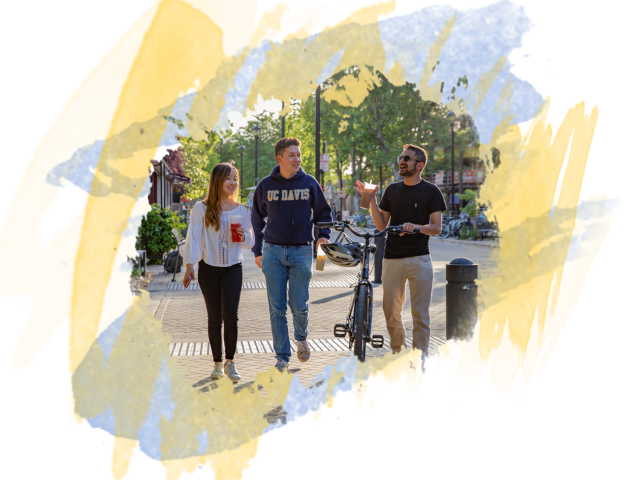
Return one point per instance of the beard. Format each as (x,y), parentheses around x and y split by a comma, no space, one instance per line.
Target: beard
(407,172)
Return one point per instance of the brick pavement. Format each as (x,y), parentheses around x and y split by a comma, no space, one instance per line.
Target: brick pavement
(183,317)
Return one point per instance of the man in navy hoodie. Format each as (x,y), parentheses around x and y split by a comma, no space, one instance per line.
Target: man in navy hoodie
(291,201)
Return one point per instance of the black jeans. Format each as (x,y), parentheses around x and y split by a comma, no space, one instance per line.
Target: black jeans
(221,287)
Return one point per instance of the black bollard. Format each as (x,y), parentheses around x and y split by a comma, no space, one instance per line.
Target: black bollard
(462,298)
(380,243)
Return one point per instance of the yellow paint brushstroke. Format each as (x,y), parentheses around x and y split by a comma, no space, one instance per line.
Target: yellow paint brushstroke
(485,82)
(182,48)
(368,15)
(309,18)
(229,465)
(122,453)
(427,92)
(132,167)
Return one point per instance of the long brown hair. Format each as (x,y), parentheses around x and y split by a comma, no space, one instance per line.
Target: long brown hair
(213,197)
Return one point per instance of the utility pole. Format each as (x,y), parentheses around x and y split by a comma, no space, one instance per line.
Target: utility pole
(318,133)
(324,150)
(452,117)
(282,121)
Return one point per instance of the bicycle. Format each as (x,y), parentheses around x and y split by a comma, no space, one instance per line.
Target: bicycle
(446,231)
(359,319)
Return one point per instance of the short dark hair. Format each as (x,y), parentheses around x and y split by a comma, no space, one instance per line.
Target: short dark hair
(284,143)
(421,155)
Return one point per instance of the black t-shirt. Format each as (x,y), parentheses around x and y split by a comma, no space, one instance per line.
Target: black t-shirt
(410,204)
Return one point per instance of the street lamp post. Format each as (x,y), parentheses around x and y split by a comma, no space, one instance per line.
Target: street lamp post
(241,147)
(256,129)
(282,120)
(452,118)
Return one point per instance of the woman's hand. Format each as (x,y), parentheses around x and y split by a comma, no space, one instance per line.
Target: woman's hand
(188,275)
(240,232)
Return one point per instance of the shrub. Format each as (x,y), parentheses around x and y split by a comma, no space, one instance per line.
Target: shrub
(154,233)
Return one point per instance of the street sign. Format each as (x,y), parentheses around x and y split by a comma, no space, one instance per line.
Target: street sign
(324,162)
(342,194)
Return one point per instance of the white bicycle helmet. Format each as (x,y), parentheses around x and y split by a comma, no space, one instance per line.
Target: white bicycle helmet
(343,255)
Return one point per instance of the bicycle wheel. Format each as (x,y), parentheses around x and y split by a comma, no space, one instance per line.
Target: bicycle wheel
(444,233)
(362,322)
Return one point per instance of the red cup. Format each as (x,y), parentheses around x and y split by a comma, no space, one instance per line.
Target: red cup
(236,223)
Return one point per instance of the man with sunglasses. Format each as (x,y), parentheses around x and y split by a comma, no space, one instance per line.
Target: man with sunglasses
(412,203)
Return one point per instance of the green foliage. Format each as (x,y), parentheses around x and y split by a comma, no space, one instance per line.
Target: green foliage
(369,137)
(466,232)
(469,196)
(197,158)
(154,233)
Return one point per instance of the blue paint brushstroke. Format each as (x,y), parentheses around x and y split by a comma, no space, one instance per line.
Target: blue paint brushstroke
(125,267)
(180,111)
(160,406)
(79,169)
(105,422)
(479,37)
(243,81)
(612,203)
(301,400)
(310,38)
(330,66)
(203,439)
(133,224)
(575,245)
(145,190)
(108,335)
(421,59)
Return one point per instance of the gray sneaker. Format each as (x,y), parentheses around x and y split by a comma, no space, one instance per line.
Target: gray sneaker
(232,373)
(218,371)
(282,365)
(303,351)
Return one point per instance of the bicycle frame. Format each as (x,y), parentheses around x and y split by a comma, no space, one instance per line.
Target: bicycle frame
(363,276)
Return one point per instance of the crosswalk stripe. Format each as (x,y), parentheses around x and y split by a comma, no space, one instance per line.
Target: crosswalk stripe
(266,346)
(177,286)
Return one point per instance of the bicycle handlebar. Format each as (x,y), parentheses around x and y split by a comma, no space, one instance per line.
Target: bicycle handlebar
(341,226)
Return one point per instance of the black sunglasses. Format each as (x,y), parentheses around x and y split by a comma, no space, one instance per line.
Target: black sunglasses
(406,158)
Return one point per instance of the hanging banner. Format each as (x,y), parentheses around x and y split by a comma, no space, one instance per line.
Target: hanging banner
(324,162)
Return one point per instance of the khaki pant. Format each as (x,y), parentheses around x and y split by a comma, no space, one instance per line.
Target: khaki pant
(395,273)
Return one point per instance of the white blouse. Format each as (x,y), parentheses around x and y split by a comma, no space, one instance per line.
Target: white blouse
(217,249)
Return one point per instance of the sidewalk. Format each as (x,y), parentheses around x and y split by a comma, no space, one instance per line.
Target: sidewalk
(183,318)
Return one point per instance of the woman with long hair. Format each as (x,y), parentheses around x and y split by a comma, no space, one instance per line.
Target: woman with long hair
(219,229)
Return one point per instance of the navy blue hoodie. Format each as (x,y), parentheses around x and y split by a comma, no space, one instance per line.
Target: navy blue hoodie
(288,204)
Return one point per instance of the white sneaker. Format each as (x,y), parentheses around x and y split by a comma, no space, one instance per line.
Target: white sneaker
(303,351)
(282,365)
(232,373)
(218,371)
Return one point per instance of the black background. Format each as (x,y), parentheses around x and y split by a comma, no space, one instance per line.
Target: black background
(48,49)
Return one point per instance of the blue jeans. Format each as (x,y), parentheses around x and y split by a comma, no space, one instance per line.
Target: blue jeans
(281,264)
